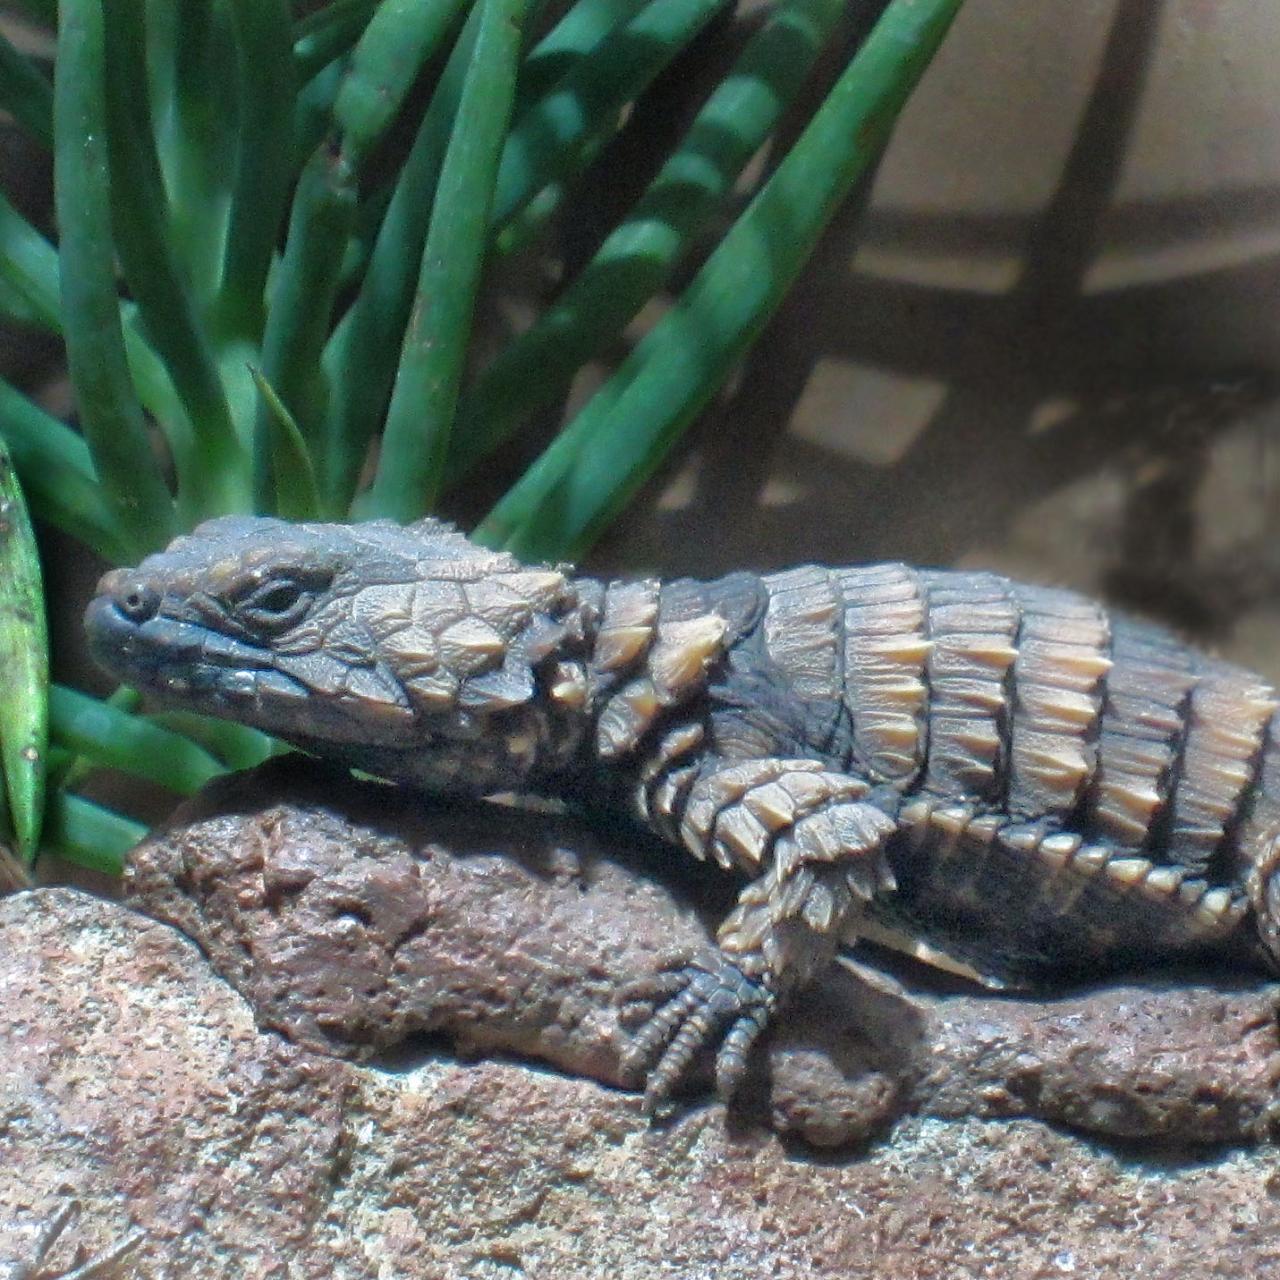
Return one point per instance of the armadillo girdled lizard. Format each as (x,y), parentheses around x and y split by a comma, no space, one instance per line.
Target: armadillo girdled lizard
(999,779)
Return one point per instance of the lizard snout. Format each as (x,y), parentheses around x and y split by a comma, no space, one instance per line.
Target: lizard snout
(136,600)
(114,618)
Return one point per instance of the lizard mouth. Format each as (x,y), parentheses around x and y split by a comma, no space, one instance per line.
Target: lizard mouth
(178,659)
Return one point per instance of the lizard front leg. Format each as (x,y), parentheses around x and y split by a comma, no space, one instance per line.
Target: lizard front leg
(814,845)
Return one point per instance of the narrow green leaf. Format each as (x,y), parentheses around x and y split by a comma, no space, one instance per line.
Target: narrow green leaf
(400,38)
(15,873)
(25,93)
(547,137)
(416,436)
(360,359)
(361,355)
(193,73)
(369,215)
(24,659)
(235,746)
(536,216)
(29,266)
(298,323)
(311,20)
(68,769)
(8,841)
(297,496)
(265,166)
(638,258)
(56,471)
(589,472)
(87,834)
(16,309)
(315,108)
(110,414)
(568,42)
(115,739)
(328,33)
(212,468)
(532,222)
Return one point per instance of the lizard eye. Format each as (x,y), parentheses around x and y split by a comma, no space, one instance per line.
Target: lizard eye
(275,606)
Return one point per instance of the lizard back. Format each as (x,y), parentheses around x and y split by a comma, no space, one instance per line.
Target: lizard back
(1076,790)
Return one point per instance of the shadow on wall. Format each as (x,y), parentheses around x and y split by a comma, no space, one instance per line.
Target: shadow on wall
(1107,429)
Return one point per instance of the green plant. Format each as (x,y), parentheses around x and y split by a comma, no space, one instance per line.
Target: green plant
(251,296)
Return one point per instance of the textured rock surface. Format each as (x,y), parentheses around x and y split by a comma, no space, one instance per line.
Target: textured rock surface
(353,917)
(136,1081)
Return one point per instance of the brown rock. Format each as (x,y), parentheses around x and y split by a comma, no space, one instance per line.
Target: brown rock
(353,917)
(135,1081)
(138,1083)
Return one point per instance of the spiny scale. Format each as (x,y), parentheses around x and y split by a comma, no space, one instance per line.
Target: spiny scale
(1074,791)
(1016,903)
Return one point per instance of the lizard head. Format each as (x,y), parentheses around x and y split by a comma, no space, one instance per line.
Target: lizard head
(409,651)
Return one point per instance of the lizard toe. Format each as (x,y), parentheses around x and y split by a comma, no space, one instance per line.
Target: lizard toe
(735,1049)
(710,1005)
(639,1000)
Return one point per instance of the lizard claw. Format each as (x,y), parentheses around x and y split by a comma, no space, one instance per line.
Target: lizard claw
(701,1004)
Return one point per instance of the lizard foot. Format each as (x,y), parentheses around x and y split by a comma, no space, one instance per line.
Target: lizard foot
(704,1003)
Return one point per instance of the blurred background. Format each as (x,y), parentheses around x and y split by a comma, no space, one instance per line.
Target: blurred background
(1044,338)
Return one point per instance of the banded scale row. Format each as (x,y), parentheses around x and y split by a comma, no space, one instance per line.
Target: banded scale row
(1021,700)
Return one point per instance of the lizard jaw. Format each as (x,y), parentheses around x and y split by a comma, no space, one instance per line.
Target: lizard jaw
(181,660)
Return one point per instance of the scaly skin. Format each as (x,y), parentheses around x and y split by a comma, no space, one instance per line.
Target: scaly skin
(998,779)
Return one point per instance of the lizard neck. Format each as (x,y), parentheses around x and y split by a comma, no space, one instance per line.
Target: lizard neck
(650,658)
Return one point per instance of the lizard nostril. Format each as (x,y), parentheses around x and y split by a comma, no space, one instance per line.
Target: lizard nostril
(138,603)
